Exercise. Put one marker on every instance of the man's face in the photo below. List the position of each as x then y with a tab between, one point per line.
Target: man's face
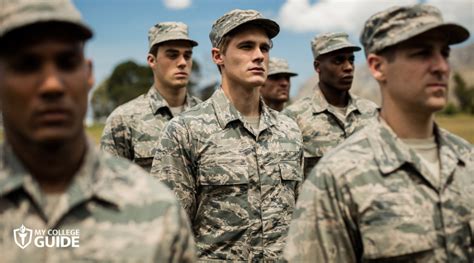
43	91
245	62
336	69
172	64
417	78
276	88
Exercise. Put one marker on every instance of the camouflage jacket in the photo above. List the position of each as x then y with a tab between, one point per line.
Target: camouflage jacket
133	129
322	129
373	199
238	187
121	213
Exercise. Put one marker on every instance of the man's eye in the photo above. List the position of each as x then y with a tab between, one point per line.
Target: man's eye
265	49
172	55
26	64
68	62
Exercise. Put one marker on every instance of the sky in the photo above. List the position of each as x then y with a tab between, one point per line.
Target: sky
121	27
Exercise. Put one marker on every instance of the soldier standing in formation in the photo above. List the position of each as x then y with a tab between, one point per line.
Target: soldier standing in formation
133	129
276	90
332	114
234	163
51	176
401	189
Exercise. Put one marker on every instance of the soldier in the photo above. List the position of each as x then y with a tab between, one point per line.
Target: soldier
401	189
132	130
51	177
333	113
276	90
234	163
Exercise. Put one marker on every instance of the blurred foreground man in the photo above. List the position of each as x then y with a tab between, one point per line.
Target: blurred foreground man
60	200
234	163
133	129
276	90
402	189
333	113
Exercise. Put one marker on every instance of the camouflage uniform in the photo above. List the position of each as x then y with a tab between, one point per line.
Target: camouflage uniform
121	213
373	199
132	129
239	187
321	127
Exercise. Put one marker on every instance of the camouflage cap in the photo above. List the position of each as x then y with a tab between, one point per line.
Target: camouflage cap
279	66
329	42
15	14
399	23
236	18
167	31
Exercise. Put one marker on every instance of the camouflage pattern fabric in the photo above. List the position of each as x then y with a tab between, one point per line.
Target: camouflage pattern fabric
329	42
236	18
399	23
279	66
122	214
372	198
322	129
19	13
132	130
167	31
239	187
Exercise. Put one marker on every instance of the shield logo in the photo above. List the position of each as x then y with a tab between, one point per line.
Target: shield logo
22	236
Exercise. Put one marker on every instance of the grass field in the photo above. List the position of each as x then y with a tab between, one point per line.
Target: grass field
462	125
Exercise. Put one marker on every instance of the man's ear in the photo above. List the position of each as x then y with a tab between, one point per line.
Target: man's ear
377	66
217	57
151	60
316	64
90	74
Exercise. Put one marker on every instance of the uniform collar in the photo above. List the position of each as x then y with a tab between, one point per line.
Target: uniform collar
157	101
227	113
87	183
391	153
320	104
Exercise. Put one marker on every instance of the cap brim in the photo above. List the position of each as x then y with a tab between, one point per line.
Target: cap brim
289	73
339	48
455	33
271	27
193	43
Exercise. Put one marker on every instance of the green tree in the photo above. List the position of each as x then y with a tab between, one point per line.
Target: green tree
464	94
127	81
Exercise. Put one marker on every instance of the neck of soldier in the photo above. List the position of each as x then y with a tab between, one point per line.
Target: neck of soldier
407	123
174	96
245	99
53	165
274	104
334	96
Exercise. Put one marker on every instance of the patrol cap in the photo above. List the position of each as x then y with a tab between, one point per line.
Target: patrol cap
15	14
238	17
279	66
329	42
167	31
399	23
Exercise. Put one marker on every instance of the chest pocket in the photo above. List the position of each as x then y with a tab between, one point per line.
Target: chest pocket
228	168
394	228
144	153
